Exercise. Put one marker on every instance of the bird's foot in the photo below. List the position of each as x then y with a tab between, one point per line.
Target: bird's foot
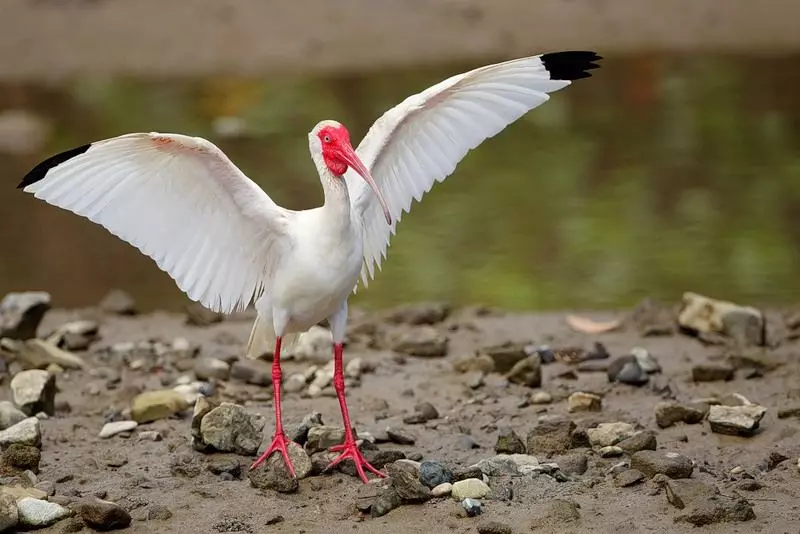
279	443
350	451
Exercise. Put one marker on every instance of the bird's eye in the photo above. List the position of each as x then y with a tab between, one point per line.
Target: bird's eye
327	138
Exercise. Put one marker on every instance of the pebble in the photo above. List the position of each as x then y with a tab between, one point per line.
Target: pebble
735	420
400	437
353	369
640	441
423	313
703	503
39	354
9	415
34	513
480	364
118	302
422	341
701	314
472	507
563	511
606	434
34	391
471	488
628	477
585	402
432	474
610	451
273	473
646	361
295	383
103	515
211	368
117	427
573	464
505	355
255	372
509	442
405	477
149	435
494	527
527	372
385	503
442	490
21	313
550	435
18	457
323	437
314	344
669	413
229	428
9	514
712	373
671	464
541	397
153	405
627	370
26	432
158	512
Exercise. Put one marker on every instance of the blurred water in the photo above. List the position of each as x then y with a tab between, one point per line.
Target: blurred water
660	174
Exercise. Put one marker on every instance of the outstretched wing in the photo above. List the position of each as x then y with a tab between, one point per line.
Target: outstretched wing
180	201
420	141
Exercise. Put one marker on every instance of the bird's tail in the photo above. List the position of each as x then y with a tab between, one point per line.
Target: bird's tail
262	339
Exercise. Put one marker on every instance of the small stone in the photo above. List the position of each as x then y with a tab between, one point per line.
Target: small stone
563	511
712	373
34	513
466	443
273	474
295	383
71	525
506	355
627	370
18	457
541	397
494	527
154	405
700	314
323	437
671	464
670	413
573	464
42	354
229	428
400	437
158	512
117	427
34	391
472	507
224	465
735	420
442	490
640	441
423	341
585	402
26	432
211	368
103	515
433	474
9	514
646	361
199	315
149	435
118	302
629	477
21	313
353	368
527	372
9	415
385	503
425	313
749	485
606	434
610	451
550	435
255	372
480	363
471	488
509	442
405	479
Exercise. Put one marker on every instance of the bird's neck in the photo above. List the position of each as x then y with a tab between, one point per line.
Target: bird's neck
337	199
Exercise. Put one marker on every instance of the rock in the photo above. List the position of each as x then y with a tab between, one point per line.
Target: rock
208	368
199	315
606	434
704	504
423	412
34	391
18	492
26	432
550	435
9	514
424	341
354	368
385	503
627	370
646	361
46	486
21	313
201	409
640	441
158	512
509	442
670	413
323	437
154	405
273	473
397	435
506	355
34	513
76	335
471	488
229	428
585	402
472	507
653	318
610	451
424	313
117	427
735	420
527	372
712	373
149	435
255	372
494	527
299	433
432	474
541	397
71	525
480	363
405	479
103	515
563	511
629	477
314	344
671	464
118	302
18	457
573	464
442	490
41	354
224	465
9	415
701	314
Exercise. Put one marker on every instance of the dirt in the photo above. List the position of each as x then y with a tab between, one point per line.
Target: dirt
81	464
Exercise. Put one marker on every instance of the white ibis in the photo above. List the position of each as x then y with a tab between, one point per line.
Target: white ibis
182	202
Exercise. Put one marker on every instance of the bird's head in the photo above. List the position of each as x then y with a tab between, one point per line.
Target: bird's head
332	140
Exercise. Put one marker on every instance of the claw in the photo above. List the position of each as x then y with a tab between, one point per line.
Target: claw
279	443
350	450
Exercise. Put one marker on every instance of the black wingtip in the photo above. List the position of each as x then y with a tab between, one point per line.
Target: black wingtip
572	65
40	171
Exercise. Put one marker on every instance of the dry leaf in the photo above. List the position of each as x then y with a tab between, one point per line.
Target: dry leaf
590	326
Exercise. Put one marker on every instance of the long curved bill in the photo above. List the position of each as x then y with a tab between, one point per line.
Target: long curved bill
349	155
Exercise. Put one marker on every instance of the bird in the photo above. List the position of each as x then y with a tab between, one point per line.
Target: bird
182	202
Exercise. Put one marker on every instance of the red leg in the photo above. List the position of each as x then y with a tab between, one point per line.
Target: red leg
349	448
279	440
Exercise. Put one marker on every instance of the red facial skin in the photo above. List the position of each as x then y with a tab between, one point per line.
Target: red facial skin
335	141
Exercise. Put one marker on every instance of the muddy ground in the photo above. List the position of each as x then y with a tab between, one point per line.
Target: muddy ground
77	460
